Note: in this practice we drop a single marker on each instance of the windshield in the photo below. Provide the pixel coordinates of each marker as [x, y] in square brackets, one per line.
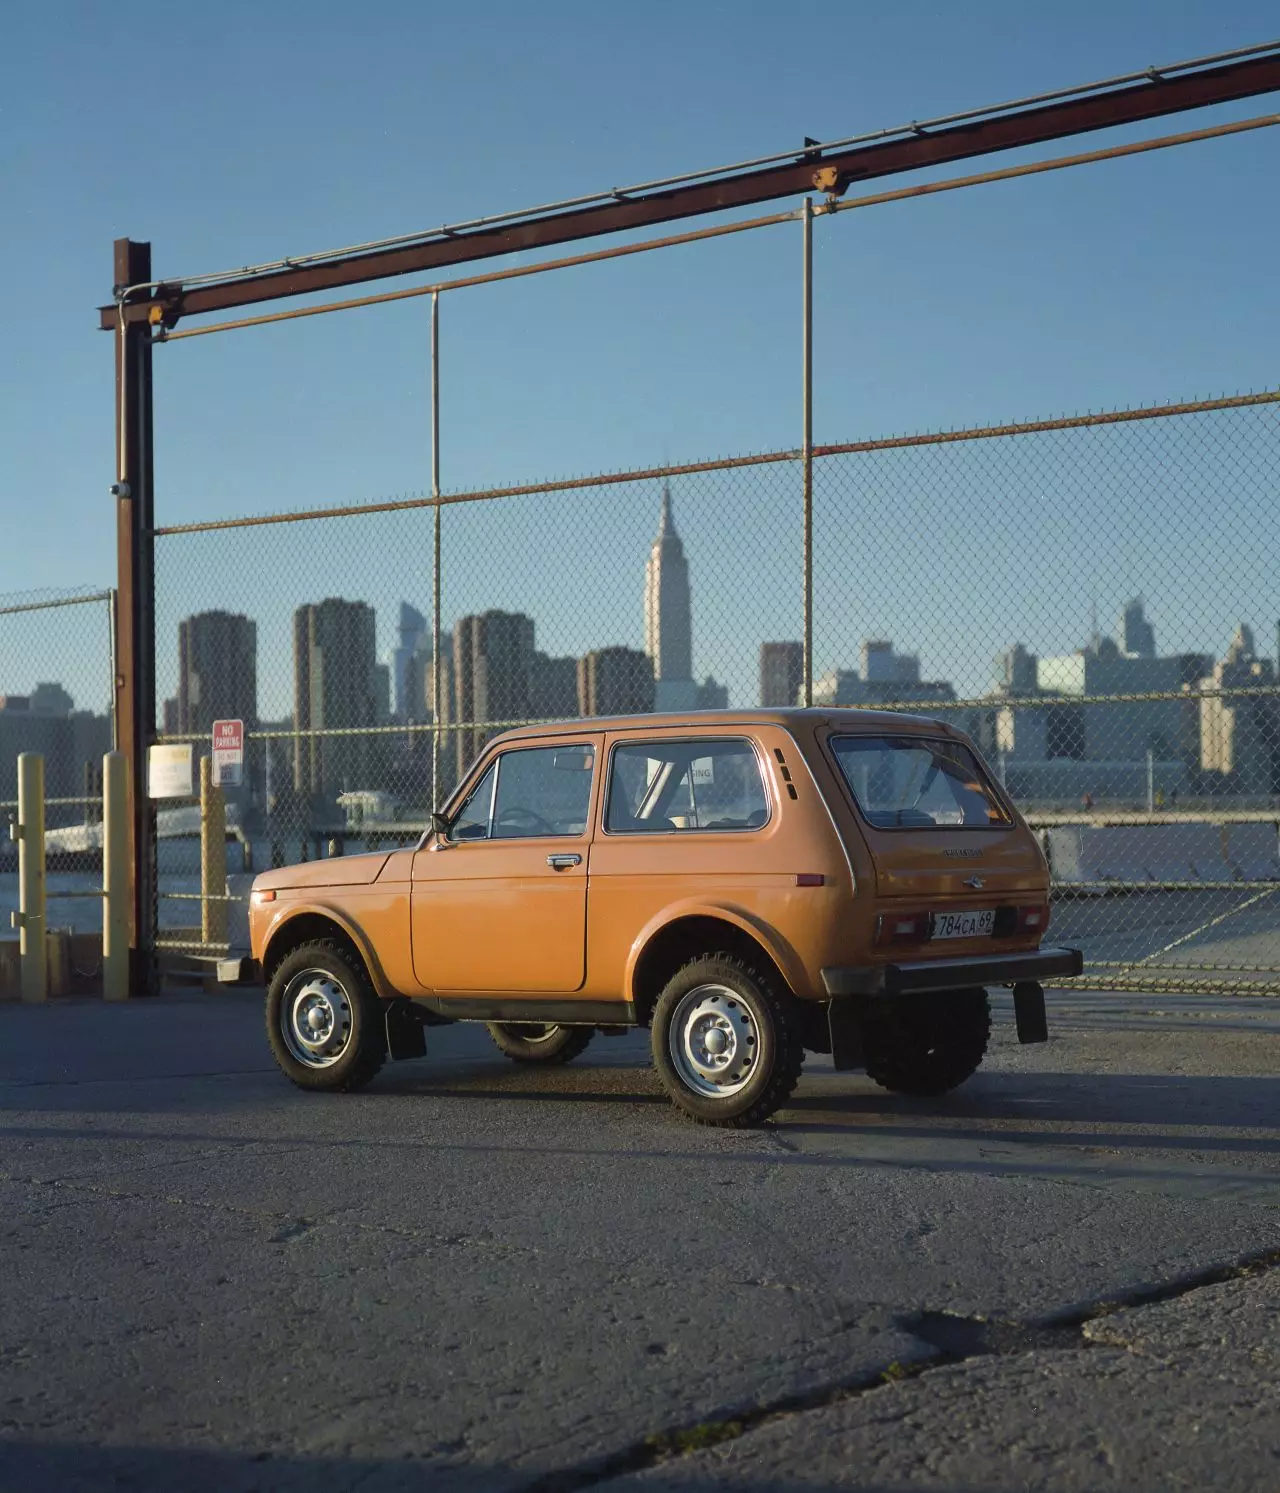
[912, 782]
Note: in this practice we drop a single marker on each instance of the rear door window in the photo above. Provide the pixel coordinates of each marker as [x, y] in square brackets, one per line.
[675, 787]
[916, 782]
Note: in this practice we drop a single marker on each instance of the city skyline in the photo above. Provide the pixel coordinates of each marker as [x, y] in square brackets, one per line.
[1032, 721]
[495, 672]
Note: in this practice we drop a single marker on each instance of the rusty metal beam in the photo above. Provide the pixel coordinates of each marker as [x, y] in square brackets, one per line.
[834, 172]
[135, 700]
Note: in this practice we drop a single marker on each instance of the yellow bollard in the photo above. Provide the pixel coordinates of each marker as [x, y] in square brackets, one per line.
[115, 877]
[31, 885]
[213, 859]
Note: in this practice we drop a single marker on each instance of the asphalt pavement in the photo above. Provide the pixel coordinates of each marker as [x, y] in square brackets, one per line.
[474, 1276]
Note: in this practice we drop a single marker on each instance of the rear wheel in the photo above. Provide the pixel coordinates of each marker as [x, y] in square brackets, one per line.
[325, 1022]
[726, 1042]
[531, 1042]
[928, 1044]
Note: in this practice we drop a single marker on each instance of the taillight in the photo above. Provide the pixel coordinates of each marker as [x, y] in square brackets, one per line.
[1034, 919]
[903, 927]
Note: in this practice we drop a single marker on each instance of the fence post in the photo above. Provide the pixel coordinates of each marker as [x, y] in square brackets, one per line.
[213, 858]
[807, 300]
[435, 568]
[135, 692]
[115, 877]
[32, 950]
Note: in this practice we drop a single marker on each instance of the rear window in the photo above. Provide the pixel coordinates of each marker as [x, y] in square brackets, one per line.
[912, 782]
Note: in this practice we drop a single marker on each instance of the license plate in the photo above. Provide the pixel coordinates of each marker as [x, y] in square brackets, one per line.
[964, 924]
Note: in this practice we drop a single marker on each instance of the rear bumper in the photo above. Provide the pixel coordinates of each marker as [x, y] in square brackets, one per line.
[952, 974]
[239, 972]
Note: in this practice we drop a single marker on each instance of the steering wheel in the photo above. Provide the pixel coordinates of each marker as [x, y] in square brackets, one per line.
[515, 811]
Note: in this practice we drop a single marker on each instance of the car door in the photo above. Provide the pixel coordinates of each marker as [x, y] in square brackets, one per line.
[501, 905]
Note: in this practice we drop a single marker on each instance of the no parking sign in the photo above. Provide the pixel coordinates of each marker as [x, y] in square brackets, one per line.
[228, 754]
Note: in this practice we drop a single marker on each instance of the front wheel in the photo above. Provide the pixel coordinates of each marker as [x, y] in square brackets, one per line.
[532, 1042]
[324, 1019]
[929, 1044]
[726, 1042]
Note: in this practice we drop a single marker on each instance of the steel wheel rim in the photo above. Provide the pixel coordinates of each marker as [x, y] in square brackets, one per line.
[713, 1041]
[532, 1032]
[316, 1018]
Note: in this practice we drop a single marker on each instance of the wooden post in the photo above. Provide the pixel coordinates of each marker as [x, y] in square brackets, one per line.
[32, 951]
[213, 858]
[115, 877]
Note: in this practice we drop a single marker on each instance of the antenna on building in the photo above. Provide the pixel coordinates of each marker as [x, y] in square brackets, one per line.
[666, 525]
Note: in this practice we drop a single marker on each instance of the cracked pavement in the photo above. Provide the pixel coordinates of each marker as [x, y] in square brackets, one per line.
[478, 1277]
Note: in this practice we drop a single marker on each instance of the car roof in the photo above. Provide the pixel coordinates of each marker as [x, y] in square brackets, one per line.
[789, 717]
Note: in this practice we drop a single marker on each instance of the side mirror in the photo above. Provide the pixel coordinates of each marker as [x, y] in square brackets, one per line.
[440, 826]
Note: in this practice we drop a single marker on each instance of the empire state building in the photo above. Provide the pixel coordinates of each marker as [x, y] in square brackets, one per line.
[668, 622]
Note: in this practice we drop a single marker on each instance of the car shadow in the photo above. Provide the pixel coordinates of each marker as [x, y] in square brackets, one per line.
[1105, 1121]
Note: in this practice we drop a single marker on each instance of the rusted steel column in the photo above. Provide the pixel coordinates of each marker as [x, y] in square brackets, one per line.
[135, 703]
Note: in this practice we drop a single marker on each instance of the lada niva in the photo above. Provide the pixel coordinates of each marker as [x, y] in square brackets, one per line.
[750, 885]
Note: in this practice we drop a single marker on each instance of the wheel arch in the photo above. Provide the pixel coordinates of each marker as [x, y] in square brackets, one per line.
[307, 924]
[662, 949]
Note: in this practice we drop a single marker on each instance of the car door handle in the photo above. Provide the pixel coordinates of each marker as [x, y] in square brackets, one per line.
[563, 862]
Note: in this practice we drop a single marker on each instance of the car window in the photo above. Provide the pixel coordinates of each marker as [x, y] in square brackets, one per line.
[670, 786]
[538, 791]
[910, 782]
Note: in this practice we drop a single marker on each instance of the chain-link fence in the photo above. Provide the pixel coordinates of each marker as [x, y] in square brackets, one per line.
[1093, 599]
[57, 667]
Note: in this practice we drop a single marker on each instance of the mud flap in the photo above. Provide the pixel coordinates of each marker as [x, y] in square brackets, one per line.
[844, 1017]
[406, 1035]
[1029, 1013]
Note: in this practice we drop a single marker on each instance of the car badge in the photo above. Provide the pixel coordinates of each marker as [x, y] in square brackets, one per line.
[976, 882]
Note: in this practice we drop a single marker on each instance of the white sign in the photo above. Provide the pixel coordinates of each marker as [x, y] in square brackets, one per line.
[228, 754]
[169, 771]
[704, 771]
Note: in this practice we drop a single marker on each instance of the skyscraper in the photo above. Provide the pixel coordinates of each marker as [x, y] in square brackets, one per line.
[1138, 637]
[881, 665]
[406, 672]
[1239, 733]
[615, 681]
[553, 687]
[668, 616]
[217, 671]
[334, 686]
[492, 659]
[712, 695]
[781, 673]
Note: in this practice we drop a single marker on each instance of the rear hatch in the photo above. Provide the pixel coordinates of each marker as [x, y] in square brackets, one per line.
[937, 828]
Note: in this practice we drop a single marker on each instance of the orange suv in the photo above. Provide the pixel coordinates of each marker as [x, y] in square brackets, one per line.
[748, 884]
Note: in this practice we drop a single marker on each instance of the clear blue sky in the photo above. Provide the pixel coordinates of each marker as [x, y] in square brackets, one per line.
[240, 132]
